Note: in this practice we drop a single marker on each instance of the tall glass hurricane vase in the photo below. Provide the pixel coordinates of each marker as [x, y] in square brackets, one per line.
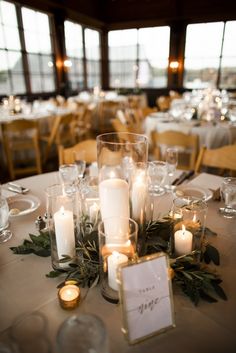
[122, 160]
[118, 157]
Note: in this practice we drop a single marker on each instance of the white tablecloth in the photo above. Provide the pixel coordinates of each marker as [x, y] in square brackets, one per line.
[209, 135]
[24, 288]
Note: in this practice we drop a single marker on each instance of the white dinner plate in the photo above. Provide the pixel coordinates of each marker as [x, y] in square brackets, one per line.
[25, 204]
[193, 191]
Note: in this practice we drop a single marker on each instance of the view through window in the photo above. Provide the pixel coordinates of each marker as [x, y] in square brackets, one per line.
[210, 55]
[39, 50]
[11, 69]
[139, 58]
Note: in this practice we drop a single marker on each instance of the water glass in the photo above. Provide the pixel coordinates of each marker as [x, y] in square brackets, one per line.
[5, 234]
[228, 191]
[69, 176]
[29, 333]
[171, 160]
[79, 160]
[82, 333]
[157, 172]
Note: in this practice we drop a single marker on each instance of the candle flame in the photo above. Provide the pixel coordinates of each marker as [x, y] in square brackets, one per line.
[112, 174]
[115, 254]
[194, 217]
[183, 228]
[62, 210]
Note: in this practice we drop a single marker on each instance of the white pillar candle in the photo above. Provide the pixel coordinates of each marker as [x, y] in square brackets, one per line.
[183, 241]
[138, 197]
[64, 230]
[113, 261]
[114, 202]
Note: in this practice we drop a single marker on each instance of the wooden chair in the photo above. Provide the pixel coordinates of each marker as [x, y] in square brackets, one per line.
[83, 122]
[87, 147]
[187, 146]
[223, 158]
[21, 143]
[106, 112]
[163, 103]
[62, 132]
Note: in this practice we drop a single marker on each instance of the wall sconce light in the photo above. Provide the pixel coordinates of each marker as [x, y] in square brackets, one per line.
[174, 65]
[67, 63]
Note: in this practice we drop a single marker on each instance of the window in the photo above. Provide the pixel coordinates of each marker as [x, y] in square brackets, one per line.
[11, 68]
[228, 62]
[139, 58]
[202, 54]
[39, 50]
[74, 51]
[93, 57]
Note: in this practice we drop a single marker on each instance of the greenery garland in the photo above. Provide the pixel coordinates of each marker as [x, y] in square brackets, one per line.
[197, 280]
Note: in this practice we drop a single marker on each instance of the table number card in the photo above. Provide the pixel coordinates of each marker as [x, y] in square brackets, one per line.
[146, 297]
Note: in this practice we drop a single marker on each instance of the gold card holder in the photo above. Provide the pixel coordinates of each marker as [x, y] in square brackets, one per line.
[146, 297]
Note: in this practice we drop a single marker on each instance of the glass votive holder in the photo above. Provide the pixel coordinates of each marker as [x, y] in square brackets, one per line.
[69, 295]
[117, 245]
[63, 212]
[189, 216]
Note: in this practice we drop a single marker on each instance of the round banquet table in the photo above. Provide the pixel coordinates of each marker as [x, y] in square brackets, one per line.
[211, 136]
[25, 288]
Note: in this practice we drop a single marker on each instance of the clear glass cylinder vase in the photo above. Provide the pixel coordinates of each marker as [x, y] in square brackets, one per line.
[189, 216]
[117, 245]
[63, 214]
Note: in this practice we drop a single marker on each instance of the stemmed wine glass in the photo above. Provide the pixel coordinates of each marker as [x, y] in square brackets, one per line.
[157, 172]
[171, 164]
[5, 234]
[228, 192]
[80, 162]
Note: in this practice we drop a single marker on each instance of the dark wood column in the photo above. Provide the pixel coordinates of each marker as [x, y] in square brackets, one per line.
[104, 59]
[60, 52]
[177, 46]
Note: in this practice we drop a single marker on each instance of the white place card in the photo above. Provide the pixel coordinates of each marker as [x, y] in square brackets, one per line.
[146, 297]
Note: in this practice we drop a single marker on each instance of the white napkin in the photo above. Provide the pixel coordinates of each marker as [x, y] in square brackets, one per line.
[208, 181]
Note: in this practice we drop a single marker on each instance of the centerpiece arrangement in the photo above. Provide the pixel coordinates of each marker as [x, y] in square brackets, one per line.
[88, 245]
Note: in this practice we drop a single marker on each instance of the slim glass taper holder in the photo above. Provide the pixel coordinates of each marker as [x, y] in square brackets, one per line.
[117, 245]
[63, 214]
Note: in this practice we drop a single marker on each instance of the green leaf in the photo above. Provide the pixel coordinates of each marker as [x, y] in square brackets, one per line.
[219, 291]
[212, 254]
[53, 274]
[207, 297]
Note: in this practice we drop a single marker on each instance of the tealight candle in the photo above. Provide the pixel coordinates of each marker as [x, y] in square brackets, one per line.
[113, 261]
[69, 295]
[183, 241]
